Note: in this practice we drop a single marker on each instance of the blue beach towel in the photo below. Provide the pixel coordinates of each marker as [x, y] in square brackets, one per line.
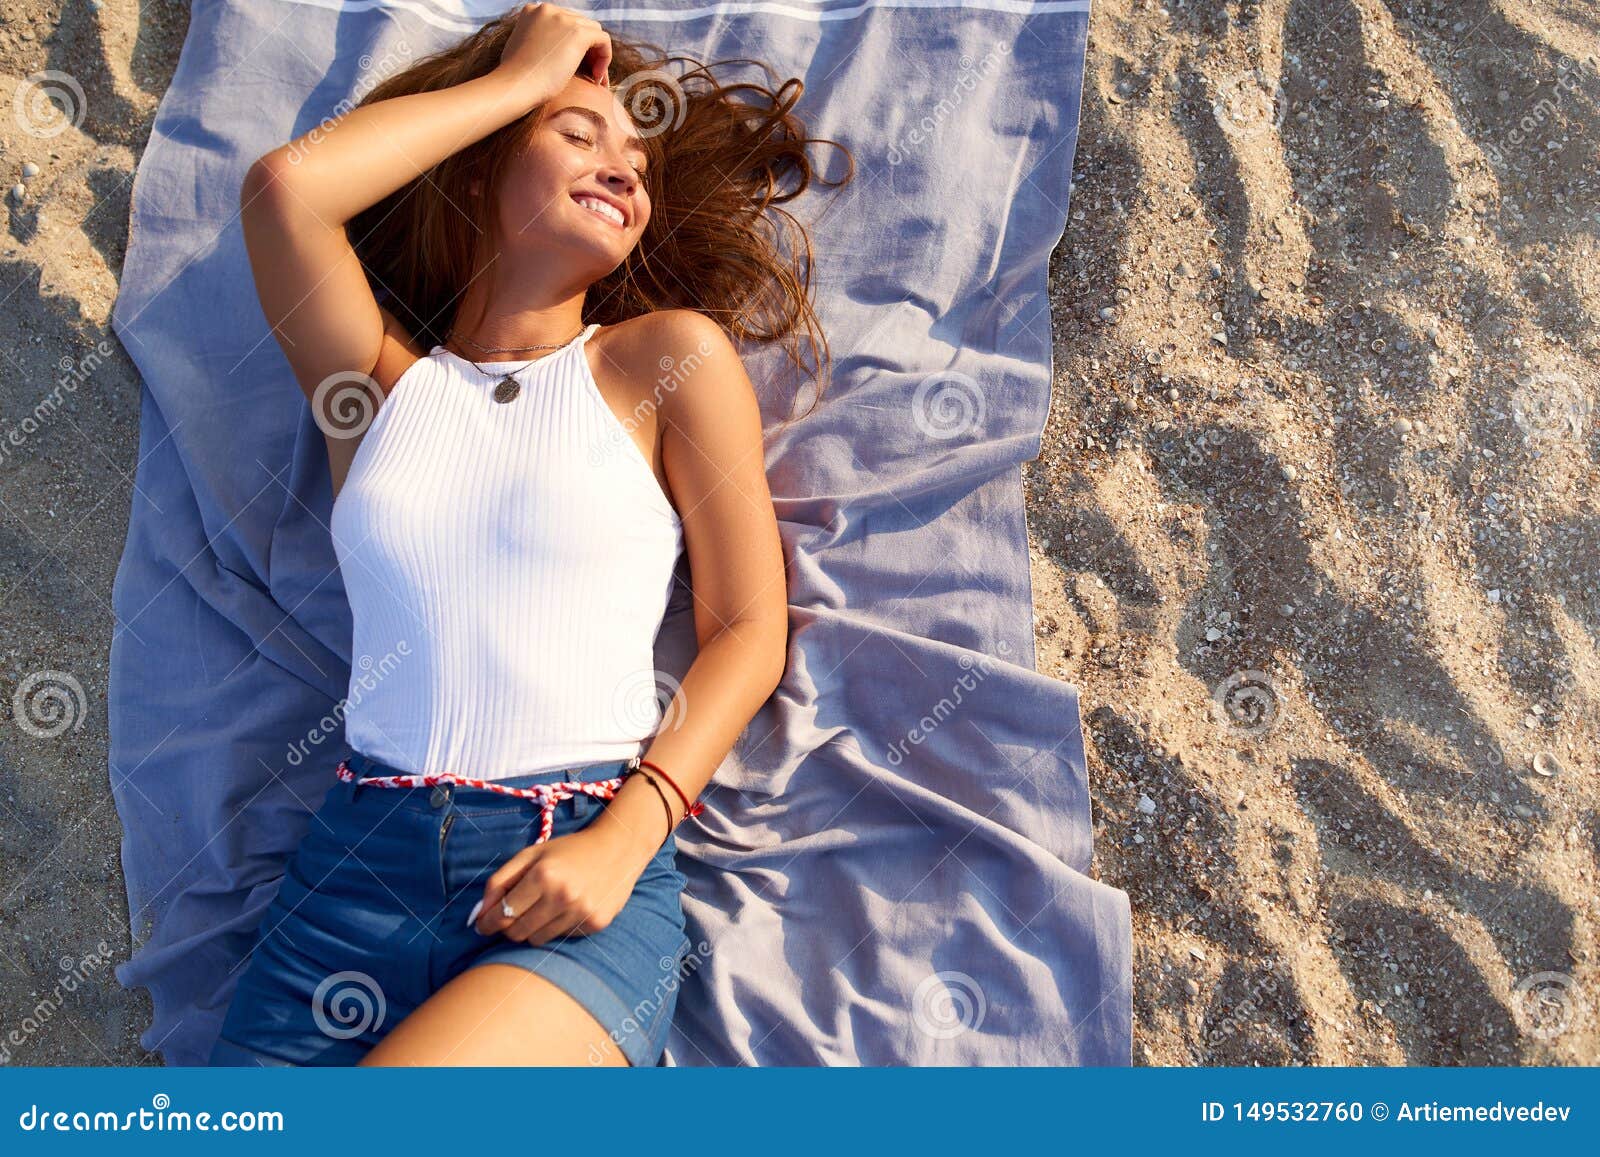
[892, 865]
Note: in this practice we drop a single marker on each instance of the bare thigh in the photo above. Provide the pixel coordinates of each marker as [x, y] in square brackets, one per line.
[497, 1014]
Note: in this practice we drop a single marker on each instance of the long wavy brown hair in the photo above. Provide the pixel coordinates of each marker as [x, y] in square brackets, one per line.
[718, 156]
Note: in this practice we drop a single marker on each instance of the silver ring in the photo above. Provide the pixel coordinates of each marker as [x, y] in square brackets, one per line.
[506, 909]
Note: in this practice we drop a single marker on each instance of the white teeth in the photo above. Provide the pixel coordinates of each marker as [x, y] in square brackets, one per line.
[595, 205]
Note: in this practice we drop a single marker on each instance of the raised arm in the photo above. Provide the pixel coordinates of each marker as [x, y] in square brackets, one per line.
[296, 199]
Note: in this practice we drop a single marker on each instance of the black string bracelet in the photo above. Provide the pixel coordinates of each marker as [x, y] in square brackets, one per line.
[665, 806]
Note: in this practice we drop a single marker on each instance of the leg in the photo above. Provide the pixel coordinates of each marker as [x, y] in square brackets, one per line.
[498, 1014]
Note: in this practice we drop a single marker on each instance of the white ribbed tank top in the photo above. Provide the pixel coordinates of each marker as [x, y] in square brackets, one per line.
[508, 566]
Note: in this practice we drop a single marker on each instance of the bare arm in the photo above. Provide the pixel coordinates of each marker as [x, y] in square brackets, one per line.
[296, 199]
[712, 450]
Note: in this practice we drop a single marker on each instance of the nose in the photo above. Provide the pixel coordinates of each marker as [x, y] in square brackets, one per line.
[620, 177]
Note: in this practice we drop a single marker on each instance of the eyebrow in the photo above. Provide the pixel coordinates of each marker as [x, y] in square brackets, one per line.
[602, 125]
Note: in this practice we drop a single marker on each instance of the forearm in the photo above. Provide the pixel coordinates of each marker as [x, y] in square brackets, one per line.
[734, 673]
[339, 170]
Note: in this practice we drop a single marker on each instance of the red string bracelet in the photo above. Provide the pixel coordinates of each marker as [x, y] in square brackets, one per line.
[689, 809]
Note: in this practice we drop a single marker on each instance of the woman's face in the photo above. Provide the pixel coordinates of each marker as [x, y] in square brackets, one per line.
[577, 185]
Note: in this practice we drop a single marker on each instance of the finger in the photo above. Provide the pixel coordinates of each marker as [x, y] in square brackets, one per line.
[524, 896]
[502, 885]
[536, 916]
[564, 924]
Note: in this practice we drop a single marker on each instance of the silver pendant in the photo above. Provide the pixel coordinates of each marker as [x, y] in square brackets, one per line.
[508, 389]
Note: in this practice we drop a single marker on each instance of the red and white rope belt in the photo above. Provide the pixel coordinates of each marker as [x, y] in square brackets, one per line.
[546, 795]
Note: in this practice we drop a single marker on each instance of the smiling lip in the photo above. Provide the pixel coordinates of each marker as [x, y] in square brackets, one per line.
[623, 224]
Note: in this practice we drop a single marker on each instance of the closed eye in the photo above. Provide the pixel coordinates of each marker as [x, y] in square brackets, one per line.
[588, 140]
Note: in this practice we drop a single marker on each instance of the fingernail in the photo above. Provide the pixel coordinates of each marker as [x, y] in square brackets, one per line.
[473, 915]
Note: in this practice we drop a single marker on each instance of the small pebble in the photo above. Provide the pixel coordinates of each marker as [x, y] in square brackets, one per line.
[31, 170]
[1108, 313]
[1191, 987]
[1402, 425]
[1212, 635]
[1546, 764]
[19, 191]
[1289, 472]
[1197, 954]
[1147, 805]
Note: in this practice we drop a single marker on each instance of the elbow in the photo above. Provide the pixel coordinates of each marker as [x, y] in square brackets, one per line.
[265, 182]
[774, 652]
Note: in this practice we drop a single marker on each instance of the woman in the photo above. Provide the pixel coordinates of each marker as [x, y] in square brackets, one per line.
[491, 878]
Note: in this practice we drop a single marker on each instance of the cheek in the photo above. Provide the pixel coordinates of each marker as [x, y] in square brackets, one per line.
[522, 208]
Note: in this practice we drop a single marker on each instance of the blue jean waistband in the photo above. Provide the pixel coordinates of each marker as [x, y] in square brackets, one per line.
[365, 765]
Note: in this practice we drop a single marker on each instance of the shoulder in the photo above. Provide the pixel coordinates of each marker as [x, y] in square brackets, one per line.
[665, 338]
[667, 350]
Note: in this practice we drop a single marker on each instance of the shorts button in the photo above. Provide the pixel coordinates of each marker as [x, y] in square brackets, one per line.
[440, 796]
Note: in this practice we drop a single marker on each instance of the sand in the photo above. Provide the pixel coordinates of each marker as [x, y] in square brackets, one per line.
[1314, 525]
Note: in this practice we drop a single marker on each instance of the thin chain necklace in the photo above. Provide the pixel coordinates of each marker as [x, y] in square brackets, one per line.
[508, 387]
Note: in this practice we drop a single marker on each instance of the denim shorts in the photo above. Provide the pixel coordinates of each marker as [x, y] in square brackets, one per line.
[370, 920]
